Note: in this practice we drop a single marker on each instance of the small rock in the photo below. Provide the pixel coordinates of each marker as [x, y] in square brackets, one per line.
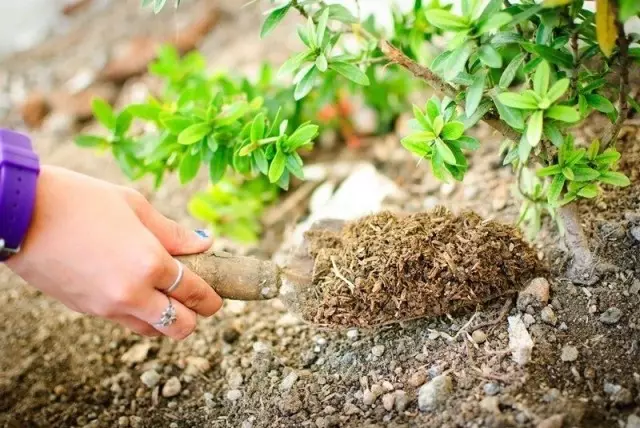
[520, 341]
[401, 400]
[563, 326]
[150, 378]
[59, 390]
[135, 421]
[234, 395]
[230, 335]
[388, 401]
[434, 393]
[633, 421]
[551, 395]
[491, 388]
[208, 400]
[288, 382]
[197, 365]
[368, 398]
[136, 354]
[635, 232]
[378, 350]
[622, 397]
[535, 294]
[635, 287]
[235, 379]
[351, 409]
[260, 347]
[569, 353]
[352, 334]
[491, 404]
[554, 421]
[548, 316]
[611, 316]
[479, 336]
[388, 386]
[418, 379]
[290, 404]
[123, 421]
[528, 320]
[171, 388]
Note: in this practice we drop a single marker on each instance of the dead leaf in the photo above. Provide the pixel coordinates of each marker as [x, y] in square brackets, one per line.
[606, 30]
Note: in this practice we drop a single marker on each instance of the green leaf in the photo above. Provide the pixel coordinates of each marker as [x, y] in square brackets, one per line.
[218, 165]
[510, 115]
[556, 188]
[194, 133]
[293, 63]
[144, 111]
[322, 27]
[91, 141]
[321, 63]
[585, 174]
[563, 113]
[457, 60]
[275, 17]
[594, 149]
[437, 167]
[568, 173]
[494, 22]
[511, 70]
[158, 5]
[305, 37]
[438, 124]
[231, 113]
[474, 93]
[423, 120]
[519, 101]
[628, 9]
[340, 13]
[277, 167]
[505, 38]
[452, 131]
[189, 166]
[541, 78]
[550, 170]
[557, 90]
[416, 146]
[421, 137]
[553, 134]
[295, 167]
[103, 113]
[257, 128]
[490, 56]
[470, 121]
[599, 103]
[261, 161]
[123, 122]
[468, 143]
[175, 124]
[350, 71]
[445, 152]
[589, 191]
[534, 127]
[302, 136]
[433, 109]
[614, 178]
[446, 20]
[554, 56]
[305, 85]
[526, 14]
[608, 157]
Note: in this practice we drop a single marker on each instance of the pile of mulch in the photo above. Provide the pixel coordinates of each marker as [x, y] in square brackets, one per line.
[386, 268]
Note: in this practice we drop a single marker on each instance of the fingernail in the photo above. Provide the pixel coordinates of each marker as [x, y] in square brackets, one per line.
[202, 233]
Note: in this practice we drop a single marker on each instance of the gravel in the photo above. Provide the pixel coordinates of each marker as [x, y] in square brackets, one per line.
[434, 393]
[548, 316]
[535, 294]
[288, 382]
[569, 353]
[234, 395]
[479, 336]
[150, 378]
[491, 388]
[378, 350]
[611, 316]
[172, 387]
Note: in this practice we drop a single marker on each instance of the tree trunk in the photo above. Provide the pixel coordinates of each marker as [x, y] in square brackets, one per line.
[582, 268]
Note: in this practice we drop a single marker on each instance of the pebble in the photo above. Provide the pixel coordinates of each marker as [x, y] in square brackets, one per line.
[388, 401]
[351, 409]
[418, 379]
[290, 404]
[548, 316]
[569, 353]
[234, 395]
[260, 347]
[230, 335]
[171, 388]
[520, 341]
[536, 294]
[491, 404]
[402, 400]
[551, 395]
[136, 354]
[378, 350]
[368, 398]
[563, 326]
[528, 320]
[288, 382]
[434, 393]
[388, 386]
[635, 287]
[352, 334]
[479, 336]
[135, 421]
[208, 400]
[491, 388]
[633, 421]
[123, 421]
[611, 316]
[197, 365]
[554, 421]
[235, 379]
[173, 425]
[635, 232]
[150, 378]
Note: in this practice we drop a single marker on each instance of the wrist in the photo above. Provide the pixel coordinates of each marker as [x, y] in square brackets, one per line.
[19, 170]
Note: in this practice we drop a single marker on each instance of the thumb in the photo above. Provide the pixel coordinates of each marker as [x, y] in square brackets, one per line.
[176, 239]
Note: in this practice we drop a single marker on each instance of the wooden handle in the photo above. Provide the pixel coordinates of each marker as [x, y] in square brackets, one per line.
[236, 278]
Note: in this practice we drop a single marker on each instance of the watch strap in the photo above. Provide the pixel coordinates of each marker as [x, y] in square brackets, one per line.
[19, 170]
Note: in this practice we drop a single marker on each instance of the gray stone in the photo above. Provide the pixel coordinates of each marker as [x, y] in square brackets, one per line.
[611, 316]
[635, 287]
[235, 379]
[633, 421]
[434, 393]
[548, 316]
[123, 421]
[528, 320]
[172, 387]
[535, 294]
[569, 353]
[490, 404]
[554, 421]
[150, 378]
[479, 336]
[136, 354]
[288, 382]
[234, 395]
[491, 388]
[402, 400]
[378, 350]
[388, 401]
[635, 232]
[418, 379]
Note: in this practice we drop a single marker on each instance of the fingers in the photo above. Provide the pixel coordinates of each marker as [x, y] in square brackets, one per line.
[194, 293]
[136, 325]
[157, 305]
[177, 239]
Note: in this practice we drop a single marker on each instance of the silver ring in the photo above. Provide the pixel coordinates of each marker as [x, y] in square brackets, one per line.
[178, 279]
[168, 316]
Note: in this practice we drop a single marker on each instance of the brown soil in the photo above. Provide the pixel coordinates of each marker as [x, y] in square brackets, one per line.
[386, 268]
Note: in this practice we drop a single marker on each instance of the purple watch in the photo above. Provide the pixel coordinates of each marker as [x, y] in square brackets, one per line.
[19, 170]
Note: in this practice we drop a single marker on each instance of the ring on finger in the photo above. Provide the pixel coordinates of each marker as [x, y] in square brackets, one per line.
[168, 316]
[178, 279]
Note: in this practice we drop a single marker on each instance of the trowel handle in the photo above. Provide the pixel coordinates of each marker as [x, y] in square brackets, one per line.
[235, 277]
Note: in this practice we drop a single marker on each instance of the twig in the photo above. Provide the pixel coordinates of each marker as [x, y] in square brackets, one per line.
[466, 325]
[576, 63]
[611, 133]
[336, 271]
[443, 87]
[503, 313]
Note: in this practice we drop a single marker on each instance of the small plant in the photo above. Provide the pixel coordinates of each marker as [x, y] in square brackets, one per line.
[533, 71]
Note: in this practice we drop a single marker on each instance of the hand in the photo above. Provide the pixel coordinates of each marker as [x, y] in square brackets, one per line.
[102, 249]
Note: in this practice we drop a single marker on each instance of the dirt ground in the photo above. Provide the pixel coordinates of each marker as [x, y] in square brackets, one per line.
[255, 365]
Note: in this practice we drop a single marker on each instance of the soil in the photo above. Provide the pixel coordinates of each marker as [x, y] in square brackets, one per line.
[385, 268]
[256, 365]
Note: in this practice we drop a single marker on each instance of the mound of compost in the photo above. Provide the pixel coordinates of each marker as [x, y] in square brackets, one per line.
[386, 267]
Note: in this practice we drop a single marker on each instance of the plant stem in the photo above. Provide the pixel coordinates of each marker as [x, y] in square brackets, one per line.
[573, 91]
[395, 55]
[611, 133]
[582, 268]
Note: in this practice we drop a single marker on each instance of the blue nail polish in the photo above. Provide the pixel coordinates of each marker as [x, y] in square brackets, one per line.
[202, 233]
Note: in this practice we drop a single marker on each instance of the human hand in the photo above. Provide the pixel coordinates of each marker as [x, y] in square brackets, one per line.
[103, 250]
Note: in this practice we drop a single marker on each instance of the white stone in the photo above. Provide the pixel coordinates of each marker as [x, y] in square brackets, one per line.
[520, 341]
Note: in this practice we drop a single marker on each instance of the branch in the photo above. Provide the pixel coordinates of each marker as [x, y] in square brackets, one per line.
[611, 133]
[443, 87]
[576, 63]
